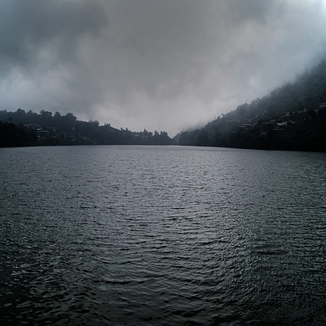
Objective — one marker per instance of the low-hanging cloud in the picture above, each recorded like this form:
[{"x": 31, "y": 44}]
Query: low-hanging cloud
[{"x": 165, "y": 65}]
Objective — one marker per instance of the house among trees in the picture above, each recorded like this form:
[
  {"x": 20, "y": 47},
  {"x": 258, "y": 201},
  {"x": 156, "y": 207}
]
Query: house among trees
[{"x": 322, "y": 106}]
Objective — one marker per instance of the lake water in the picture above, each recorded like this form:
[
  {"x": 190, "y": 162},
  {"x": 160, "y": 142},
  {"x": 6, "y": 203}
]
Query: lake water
[{"x": 122, "y": 235}]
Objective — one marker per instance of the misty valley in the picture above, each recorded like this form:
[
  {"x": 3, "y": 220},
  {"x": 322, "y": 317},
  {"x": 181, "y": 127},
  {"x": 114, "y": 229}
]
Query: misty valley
[
  {"x": 162, "y": 163},
  {"x": 291, "y": 117},
  {"x": 209, "y": 232}
]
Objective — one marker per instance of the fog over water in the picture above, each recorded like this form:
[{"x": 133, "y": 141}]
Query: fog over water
[{"x": 164, "y": 65}]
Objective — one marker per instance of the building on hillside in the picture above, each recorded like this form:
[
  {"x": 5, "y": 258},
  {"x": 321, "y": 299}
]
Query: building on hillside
[{"x": 322, "y": 106}]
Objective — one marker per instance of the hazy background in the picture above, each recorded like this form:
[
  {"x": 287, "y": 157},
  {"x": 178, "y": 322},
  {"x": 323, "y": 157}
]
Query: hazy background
[{"x": 154, "y": 64}]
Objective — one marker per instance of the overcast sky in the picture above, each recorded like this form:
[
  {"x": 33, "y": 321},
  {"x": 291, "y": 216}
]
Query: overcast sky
[{"x": 155, "y": 64}]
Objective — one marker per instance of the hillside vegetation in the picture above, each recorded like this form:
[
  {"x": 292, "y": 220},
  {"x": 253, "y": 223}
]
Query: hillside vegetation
[
  {"x": 22, "y": 128},
  {"x": 291, "y": 117}
]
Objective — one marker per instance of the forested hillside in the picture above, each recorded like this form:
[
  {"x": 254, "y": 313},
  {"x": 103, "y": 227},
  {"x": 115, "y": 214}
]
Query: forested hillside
[
  {"x": 292, "y": 117},
  {"x": 22, "y": 128}
]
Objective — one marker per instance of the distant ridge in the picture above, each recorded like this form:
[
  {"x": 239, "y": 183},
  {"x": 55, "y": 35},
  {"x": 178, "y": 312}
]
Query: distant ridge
[
  {"x": 291, "y": 117},
  {"x": 22, "y": 128}
]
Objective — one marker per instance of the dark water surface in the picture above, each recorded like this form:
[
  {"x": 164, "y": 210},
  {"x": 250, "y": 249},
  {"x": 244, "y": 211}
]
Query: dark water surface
[{"x": 109, "y": 235}]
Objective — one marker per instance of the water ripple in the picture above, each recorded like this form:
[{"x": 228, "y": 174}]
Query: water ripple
[{"x": 162, "y": 236}]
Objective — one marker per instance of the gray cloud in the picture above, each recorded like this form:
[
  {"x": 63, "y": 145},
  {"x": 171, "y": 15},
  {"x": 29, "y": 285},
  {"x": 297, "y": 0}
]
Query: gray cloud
[
  {"x": 36, "y": 33},
  {"x": 164, "y": 65}
]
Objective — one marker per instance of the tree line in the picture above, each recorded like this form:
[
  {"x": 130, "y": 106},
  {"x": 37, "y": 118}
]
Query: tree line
[
  {"x": 291, "y": 117},
  {"x": 23, "y": 128}
]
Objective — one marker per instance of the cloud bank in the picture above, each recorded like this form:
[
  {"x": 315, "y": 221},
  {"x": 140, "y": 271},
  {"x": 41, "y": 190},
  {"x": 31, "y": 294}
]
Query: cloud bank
[{"x": 160, "y": 65}]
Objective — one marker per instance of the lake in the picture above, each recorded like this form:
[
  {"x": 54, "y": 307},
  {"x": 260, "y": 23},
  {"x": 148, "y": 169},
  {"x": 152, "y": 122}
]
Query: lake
[{"x": 135, "y": 235}]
